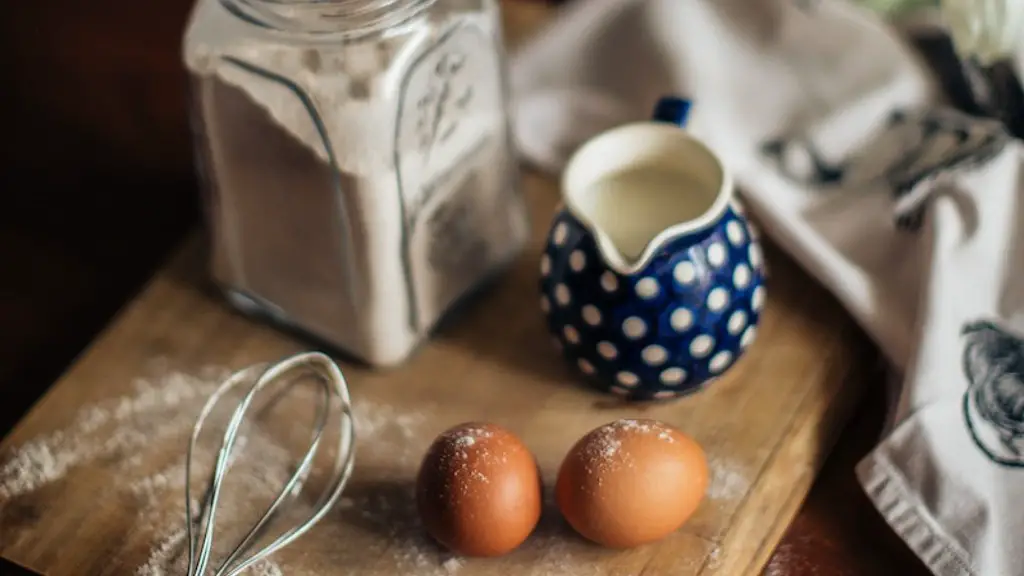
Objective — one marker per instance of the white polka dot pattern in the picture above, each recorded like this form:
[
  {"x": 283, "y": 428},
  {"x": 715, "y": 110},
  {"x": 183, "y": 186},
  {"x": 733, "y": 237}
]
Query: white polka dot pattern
[
  {"x": 673, "y": 376},
  {"x": 757, "y": 299},
  {"x": 734, "y": 230},
  {"x": 748, "y": 337},
  {"x": 701, "y": 345},
  {"x": 607, "y": 350},
  {"x": 720, "y": 361},
  {"x": 634, "y": 328},
  {"x": 562, "y": 295},
  {"x": 627, "y": 379},
  {"x": 585, "y": 366},
  {"x": 647, "y": 288},
  {"x": 654, "y": 355},
  {"x": 577, "y": 260},
  {"x": 737, "y": 322},
  {"x": 718, "y": 299},
  {"x": 678, "y": 323},
  {"x": 681, "y": 319},
  {"x": 755, "y": 256},
  {"x": 561, "y": 231},
  {"x": 716, "y": 255},
  {"x": 741, "y": 276},
  {"x": 591, "y": 315},
  {"x": 685, "y": 273},
  {"x": 609, "y": 282}
]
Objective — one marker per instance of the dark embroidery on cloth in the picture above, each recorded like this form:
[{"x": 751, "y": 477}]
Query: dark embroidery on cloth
[
  {"x": 950, "y": 142},
  {"x": 912, "y": 157},
  {"x": 993, "y": 406},
  {"x": 821, "y": 172}
]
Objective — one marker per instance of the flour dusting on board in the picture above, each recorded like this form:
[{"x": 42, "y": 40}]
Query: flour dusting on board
[
  {"x": 130, "y": 437},
  {"x": 728, "y": 482},
  {"x": 138, "y": 442},
  {"x": 118, "y": 425},
  {"x": 163, "y": 554}
]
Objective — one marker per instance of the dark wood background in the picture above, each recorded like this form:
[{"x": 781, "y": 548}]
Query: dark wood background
[{"x": 99, "y": 187}]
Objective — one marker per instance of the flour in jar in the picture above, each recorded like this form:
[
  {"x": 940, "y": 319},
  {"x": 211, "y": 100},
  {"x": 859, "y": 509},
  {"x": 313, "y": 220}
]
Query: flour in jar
[{"x": 358, "y": 188}]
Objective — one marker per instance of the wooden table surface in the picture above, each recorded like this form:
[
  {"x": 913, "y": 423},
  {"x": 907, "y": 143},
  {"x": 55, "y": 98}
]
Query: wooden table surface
[{"x": 99, "y": 184}]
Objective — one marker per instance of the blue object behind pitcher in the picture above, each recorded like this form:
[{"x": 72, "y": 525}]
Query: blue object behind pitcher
[{"x": 671, "y": 326}]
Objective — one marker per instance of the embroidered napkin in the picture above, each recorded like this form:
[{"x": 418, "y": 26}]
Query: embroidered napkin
[{"x": 911, "y": 213}]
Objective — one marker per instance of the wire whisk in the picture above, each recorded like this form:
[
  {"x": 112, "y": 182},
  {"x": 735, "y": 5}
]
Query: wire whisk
[{"x": 332, "y": 387}]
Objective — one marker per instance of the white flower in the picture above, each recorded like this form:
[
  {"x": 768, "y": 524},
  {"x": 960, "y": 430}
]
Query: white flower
[{"x": 985, "y": 29}]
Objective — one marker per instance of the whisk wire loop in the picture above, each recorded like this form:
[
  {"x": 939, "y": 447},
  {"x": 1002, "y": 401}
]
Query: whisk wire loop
[
  {"x": 294, "y": 484},
  {"x": 332, "y": 384}
]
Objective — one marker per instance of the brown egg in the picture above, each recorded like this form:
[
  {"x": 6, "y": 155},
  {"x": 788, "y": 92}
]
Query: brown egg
[
  {"x": 631, "y": 482},
  {"x": 479, "y": 490}
]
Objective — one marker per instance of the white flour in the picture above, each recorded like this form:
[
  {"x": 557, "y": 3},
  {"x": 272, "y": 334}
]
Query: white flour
[
  {"x": 160, "y": 413},
  {"x": 390, "y": 153},
  {"x": 110, "y": 427},
  {"x": 352, "y": 84},
  {"x": 156, "y": 418},
  {"x": 727, "y": 481}
]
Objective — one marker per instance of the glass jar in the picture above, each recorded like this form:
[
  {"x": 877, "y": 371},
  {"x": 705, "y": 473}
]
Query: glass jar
[{"x": 357, "y": 162}]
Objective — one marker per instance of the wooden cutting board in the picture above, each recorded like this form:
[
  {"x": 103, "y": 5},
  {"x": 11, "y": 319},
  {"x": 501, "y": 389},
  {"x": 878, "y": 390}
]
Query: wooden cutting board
[{"x": 91, "y": 480}]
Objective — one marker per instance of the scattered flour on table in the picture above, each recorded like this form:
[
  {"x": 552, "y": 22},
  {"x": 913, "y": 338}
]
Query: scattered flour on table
[
  {"x": 728, "y": 482},
  {"x": 135, "y": 438},
  {"x": 714, "y": 559},
  {"x": 124, "y": 434},
  {"x": 168, "y": 558},
  {"x": 164, "y": 553},
  {"x": 119, "y": 425},
  {"x": 452, "y": 565}
]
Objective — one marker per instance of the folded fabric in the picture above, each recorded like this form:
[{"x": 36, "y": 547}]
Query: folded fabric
[{"x": 910, "y": 213}]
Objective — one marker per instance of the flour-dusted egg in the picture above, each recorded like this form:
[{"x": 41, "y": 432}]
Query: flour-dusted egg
[
  {"x": 479, "y": 490},
  {"x": 631, "y": 482}
]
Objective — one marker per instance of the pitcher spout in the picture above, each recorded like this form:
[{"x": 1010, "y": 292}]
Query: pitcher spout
[
  {"x": 669, "y": 110},
  {"x": 618, "y": 260},
  {"x": 642, "y": 185}
]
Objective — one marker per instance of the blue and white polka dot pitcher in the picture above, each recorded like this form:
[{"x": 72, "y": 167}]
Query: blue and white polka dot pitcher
[{"x": 652, "y": 278}]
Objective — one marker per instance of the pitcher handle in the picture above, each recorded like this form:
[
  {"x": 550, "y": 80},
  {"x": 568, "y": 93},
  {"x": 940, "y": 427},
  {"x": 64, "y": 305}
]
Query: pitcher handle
[{"x": 673, "y": 110}]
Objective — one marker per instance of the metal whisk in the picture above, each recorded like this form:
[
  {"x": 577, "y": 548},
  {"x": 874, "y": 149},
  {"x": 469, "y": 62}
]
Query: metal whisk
[{"x": 332, "y": 385}]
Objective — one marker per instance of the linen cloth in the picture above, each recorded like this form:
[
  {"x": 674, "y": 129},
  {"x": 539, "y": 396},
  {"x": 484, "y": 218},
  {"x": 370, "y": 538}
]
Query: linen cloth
[{"x": 912, "y": 214}]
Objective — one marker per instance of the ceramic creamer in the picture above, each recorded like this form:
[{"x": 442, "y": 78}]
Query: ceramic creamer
[{"x": 652, "y": 278}]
